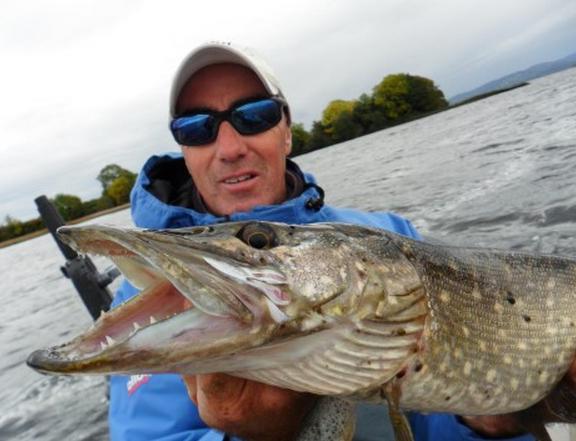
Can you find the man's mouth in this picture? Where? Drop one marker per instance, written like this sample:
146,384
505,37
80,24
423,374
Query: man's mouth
238,179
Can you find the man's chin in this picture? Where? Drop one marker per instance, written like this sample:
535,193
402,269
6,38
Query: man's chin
229,206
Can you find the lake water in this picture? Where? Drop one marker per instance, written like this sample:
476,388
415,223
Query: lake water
500,172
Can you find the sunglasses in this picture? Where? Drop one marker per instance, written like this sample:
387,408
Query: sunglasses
200,127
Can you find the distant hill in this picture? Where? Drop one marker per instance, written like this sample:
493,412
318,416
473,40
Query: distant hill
513,79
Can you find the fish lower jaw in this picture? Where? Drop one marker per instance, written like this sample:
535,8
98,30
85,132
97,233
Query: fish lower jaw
158,303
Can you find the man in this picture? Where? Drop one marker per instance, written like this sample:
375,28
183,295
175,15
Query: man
231,118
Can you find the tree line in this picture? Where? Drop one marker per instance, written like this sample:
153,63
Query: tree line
117,182
396,99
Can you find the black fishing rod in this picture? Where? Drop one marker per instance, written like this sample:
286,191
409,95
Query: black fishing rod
90,284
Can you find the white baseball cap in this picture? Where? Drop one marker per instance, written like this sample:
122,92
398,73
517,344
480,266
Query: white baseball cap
216,52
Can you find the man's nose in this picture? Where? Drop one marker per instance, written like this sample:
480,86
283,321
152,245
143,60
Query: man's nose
231,145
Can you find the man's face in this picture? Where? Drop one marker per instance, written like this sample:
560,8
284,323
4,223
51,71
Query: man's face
235,172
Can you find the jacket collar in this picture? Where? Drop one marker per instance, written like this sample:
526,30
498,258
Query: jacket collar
165,206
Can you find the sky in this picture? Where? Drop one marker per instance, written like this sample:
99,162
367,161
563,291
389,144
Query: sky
85,83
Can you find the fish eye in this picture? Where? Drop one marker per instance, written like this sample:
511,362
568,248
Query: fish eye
258,236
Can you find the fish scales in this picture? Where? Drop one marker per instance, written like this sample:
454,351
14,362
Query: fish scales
350,312
500,333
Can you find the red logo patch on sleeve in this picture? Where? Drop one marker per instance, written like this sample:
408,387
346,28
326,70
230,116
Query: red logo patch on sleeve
136,381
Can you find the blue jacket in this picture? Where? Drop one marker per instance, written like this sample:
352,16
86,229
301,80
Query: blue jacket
157,407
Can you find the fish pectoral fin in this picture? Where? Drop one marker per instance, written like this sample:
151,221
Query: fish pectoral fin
402,430
400,424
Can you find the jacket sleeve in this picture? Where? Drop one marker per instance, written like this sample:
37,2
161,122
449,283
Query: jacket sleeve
447,427
153,407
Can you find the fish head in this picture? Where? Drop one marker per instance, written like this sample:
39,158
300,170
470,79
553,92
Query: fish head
209,292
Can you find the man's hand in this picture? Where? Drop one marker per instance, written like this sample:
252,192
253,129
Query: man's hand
250,410
556,407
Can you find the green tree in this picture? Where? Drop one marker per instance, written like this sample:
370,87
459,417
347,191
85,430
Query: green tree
401,96
119,189
318,137
69,206
99,204
112,172
391,95
369,116
300,139
424,96
14,226
333,111
345,127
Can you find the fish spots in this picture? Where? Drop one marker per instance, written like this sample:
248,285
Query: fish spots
526,318
552,330
522,346
491,375
528,380
510,298
458,353
514,383
549,302
465,331
309,289
467,368
551,284
498,308
476,295
444,296
418,366
482,345
543,376
381,308
507,359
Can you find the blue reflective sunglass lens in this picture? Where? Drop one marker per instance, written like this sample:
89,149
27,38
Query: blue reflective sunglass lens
256,117
247,119
194,129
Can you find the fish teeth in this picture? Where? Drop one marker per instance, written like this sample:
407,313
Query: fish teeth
103,345
276,313
153,320
136,326
110,340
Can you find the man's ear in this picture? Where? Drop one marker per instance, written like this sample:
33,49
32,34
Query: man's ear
288,141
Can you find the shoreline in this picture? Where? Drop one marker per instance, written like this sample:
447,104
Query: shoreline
43,231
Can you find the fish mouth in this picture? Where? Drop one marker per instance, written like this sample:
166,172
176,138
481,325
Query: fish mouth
199,303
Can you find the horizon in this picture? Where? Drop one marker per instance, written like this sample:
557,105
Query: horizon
86,83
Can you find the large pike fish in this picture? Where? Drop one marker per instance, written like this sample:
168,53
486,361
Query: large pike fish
341,311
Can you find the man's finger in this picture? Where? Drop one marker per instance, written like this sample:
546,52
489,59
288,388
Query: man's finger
191,387
216,387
